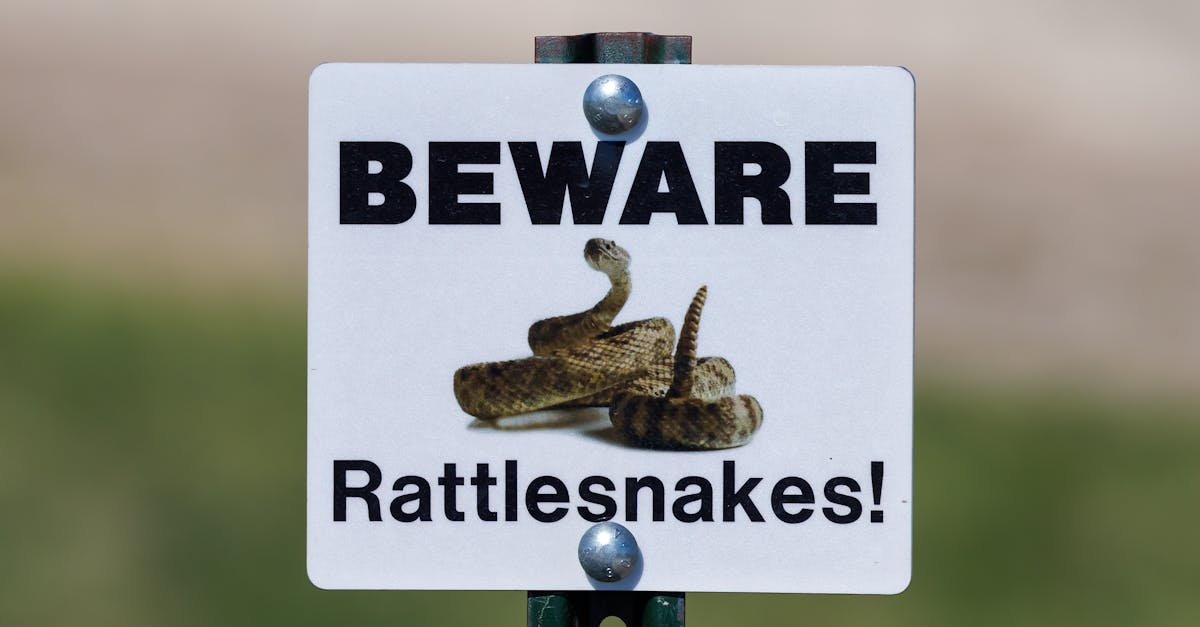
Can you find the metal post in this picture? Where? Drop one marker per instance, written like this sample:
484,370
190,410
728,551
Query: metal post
613,48
588,609
549,609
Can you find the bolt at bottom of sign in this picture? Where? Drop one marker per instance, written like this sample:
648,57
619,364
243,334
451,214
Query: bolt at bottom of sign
608,552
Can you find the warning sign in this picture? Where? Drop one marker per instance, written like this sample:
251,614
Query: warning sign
696,323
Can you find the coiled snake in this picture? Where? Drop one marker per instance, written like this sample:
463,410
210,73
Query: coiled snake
581,360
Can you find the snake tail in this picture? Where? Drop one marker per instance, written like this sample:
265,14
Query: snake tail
685,352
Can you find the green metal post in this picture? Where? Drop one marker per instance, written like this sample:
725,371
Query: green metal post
664,610
613,48
549,609
588,609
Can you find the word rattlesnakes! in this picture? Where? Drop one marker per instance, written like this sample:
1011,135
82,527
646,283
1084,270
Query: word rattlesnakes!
581,360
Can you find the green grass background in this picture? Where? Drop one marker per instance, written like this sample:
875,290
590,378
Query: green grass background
152,473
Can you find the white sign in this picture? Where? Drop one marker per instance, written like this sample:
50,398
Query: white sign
453,207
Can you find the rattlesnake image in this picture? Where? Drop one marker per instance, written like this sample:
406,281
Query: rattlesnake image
581,360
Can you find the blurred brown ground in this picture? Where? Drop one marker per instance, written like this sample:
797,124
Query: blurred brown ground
1057,168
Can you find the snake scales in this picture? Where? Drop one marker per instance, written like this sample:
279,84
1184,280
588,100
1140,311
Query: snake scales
654,400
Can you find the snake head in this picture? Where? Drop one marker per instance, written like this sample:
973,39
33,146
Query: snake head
604,255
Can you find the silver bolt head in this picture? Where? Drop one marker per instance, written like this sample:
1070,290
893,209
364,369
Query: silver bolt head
613,104
608,552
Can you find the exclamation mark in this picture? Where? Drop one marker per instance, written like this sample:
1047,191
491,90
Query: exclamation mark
877,490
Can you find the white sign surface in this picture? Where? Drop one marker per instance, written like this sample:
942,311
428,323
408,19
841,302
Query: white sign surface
449,208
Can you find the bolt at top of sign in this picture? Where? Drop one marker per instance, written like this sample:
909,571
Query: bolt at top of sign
613,104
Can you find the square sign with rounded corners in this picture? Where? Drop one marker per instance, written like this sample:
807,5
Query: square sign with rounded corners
520,326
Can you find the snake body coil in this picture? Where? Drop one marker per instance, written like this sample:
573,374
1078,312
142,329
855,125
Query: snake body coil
699,411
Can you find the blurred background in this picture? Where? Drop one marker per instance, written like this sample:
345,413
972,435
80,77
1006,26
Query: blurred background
152,271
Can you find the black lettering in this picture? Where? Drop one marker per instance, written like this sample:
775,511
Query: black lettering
357,183
566,173
483,482
732,499
821,183
534,499
607,503
510,490
446,183
341,491
733,186
780,497
658,499
421,497
450,481
704,496
876,490
845,500
663,161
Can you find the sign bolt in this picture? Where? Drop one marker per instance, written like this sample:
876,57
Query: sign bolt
613,104
608,552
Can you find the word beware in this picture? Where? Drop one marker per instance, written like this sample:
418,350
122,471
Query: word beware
373,190
547,498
